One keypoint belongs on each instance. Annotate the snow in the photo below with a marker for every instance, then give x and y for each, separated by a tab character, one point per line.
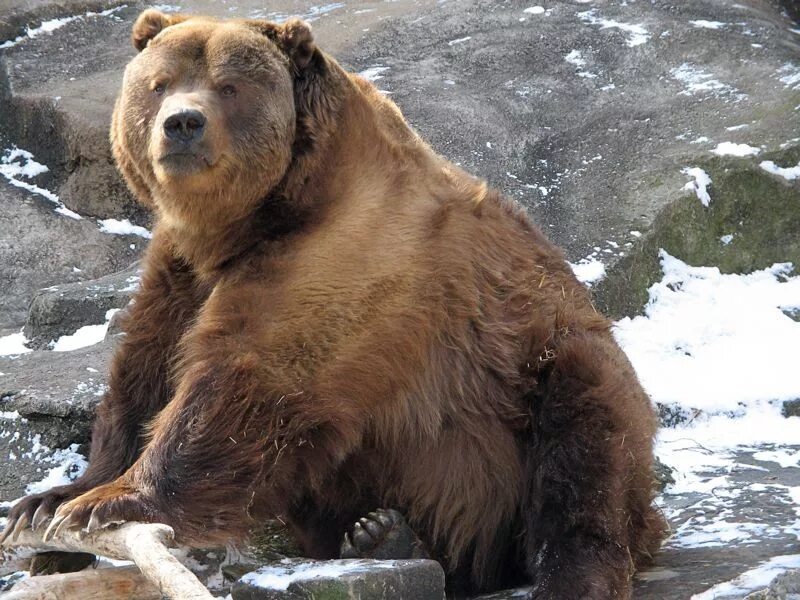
534	10
281	577
575	58
689	346
88	335
638	34
754	579
700	184
732	149
788	173
790	75
123	227
459	40
726	239
588	270
697	81
703	24
13	344
374	73
69	464
17	164
53	24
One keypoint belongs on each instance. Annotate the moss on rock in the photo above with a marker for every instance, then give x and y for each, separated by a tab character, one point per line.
752	222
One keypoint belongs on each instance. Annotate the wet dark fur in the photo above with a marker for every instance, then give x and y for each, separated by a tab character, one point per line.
379	330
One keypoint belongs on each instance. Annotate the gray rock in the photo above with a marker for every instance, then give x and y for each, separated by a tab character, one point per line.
785	586
664	474
300	579
47	403
791	408
62	309
40	248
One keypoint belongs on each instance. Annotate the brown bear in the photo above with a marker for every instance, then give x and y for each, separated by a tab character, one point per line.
334	319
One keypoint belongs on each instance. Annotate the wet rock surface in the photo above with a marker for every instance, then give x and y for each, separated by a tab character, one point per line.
586	112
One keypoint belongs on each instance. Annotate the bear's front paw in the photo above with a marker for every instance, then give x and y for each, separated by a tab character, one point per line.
36	510
110	504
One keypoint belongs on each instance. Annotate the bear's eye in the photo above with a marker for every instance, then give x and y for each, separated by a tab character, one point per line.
160	88
228	91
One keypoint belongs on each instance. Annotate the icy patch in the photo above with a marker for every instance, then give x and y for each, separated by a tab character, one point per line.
123	227
534	10
703	24
281	577
13	344
88	335
789	75
788	173
167	8
53	24
638	35
697	81
689	346
374	73
726	239
731	149
588	270
701	140
754	579
17	164
700	184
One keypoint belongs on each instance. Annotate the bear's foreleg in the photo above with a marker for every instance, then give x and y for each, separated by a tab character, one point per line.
138	383
231	447
589	474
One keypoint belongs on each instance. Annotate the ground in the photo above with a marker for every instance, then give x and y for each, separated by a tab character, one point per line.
605	118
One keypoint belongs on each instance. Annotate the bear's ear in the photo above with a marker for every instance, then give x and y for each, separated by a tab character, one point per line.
149	24
294	38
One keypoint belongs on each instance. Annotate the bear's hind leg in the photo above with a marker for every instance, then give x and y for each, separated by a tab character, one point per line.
589	460
382	534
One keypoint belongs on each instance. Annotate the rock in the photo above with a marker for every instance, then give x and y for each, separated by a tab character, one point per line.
664	475
791	408
47	403
759	211
300	579
40	248
785	586
62	309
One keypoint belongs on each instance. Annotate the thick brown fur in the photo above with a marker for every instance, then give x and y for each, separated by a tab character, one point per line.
333	318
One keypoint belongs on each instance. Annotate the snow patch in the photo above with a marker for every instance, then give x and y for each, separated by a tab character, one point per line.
534	10
697	81
374	73
88	335
689	346
281	577
700	184
13	344
53	24
731	149
638	35
588	270
703	24
123	227
69	464
753	579
788	173
17	164
459	40
789	75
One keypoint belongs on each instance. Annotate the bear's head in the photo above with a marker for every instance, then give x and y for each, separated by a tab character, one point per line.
205	123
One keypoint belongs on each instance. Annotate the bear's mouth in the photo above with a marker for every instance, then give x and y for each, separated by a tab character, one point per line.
184	163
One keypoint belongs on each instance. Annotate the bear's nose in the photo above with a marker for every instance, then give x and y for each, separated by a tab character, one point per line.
185	126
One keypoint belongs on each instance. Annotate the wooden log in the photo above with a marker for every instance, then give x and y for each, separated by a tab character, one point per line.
146	544
120	583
